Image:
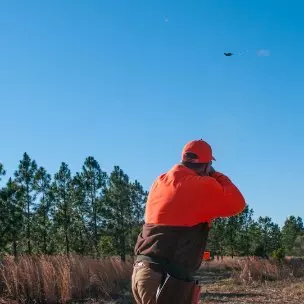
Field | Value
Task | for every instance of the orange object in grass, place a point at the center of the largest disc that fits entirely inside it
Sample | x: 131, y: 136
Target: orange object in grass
x: 206, y: 256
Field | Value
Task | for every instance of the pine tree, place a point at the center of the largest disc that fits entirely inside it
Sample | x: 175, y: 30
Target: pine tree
x: 138, y: 200
x: 216, y: 242
x: 2, y: 171
x: 298, y: 249
x: 83, y: 242
x: 5, y: 208
x: 300, y: 224
x: 63, y: 213
x: 244, y: 234
x: 94, y: 182
x: 42, y: 216
x: 11, y: 217
x: 118, y: 209
x: 25, y: 178
x: 292, y: 228
x: 269, y: 237
x: 232, y: 229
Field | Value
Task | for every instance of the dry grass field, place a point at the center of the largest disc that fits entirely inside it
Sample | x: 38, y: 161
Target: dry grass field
x: 58, y: 279
x: 252, y: 280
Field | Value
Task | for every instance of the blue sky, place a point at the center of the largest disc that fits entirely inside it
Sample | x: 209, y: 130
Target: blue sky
x: 130, y: 82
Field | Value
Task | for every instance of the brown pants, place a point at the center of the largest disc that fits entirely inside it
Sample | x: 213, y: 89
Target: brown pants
x: 145, y: 282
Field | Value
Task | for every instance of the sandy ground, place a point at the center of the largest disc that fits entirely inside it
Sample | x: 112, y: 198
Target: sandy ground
x: 219, y: 287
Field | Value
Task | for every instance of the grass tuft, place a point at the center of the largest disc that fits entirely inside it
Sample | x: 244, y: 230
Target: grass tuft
x: 60, y: 279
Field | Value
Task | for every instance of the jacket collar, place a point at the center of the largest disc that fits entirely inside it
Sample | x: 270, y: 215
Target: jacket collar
x: 182, y: 168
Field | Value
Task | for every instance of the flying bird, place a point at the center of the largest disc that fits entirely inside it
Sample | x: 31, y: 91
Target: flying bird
x: 260, y: 53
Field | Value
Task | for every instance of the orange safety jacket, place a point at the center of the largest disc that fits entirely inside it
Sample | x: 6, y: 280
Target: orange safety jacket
x: 179, y: 210
x: 183, y: 198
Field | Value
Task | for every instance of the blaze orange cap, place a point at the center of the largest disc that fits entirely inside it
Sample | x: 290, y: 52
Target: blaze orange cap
x: 201, y: 149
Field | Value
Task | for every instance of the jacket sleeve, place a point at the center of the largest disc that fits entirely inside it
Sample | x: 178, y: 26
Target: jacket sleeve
x: 223, y: 198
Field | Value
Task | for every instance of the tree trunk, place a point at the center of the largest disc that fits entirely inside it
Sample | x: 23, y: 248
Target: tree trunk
x: 232, y: 251
x: 95, y: 235
x: 44, y: 228
x: 28, y: 222
x: 67, y: 244
x: 15, y: 248
x: 81, y: 242
x: 232, y: 242
x: 95, y: 229
x: 93, y: 203
x: 122, y: 247
x: 247, y: 244
x: 44, y: 240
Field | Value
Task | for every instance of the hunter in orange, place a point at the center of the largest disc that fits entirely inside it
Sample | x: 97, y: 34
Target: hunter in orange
x: 181, y: 206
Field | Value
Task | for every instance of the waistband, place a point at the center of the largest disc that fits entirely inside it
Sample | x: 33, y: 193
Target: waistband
x: 174, y: 270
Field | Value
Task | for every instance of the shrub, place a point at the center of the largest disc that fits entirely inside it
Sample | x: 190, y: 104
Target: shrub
x: 279, y: 254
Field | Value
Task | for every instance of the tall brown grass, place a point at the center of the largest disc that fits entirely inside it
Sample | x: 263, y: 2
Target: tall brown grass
x: 254, y: 269
x: 59, y: 279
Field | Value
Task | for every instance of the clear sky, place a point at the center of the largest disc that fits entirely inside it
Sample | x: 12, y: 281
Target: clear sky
x: 130, y: 82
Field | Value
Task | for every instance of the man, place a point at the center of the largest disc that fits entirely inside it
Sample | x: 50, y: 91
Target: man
x: 179, y: 210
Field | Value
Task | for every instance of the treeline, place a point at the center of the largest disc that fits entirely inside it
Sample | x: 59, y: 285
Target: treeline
x: 96, y: 213
x: 243, y: 236
x: 91, y: 213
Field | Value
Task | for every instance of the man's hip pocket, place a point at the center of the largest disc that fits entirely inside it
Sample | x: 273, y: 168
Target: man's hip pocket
x: 178, y: 292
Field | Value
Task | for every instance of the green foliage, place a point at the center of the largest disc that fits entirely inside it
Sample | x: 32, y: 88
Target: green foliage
x: 63, y: 213
x: 25, y: 179
x: 298, y: 249
x: 11, y: 218
x: 94, y: 214
x: 217, y: 242
x: 269, y: 235
x: 278, y: 254
x: 245, y: 233
x: 43, y: 224
x: 88, y: 213
x: 242, y: 236
x: 93, y: 181
x: 118, y: 209
x: 292, y: 228
x: 107, y: 246
x: 2, y: 171
x: 231, y: 231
